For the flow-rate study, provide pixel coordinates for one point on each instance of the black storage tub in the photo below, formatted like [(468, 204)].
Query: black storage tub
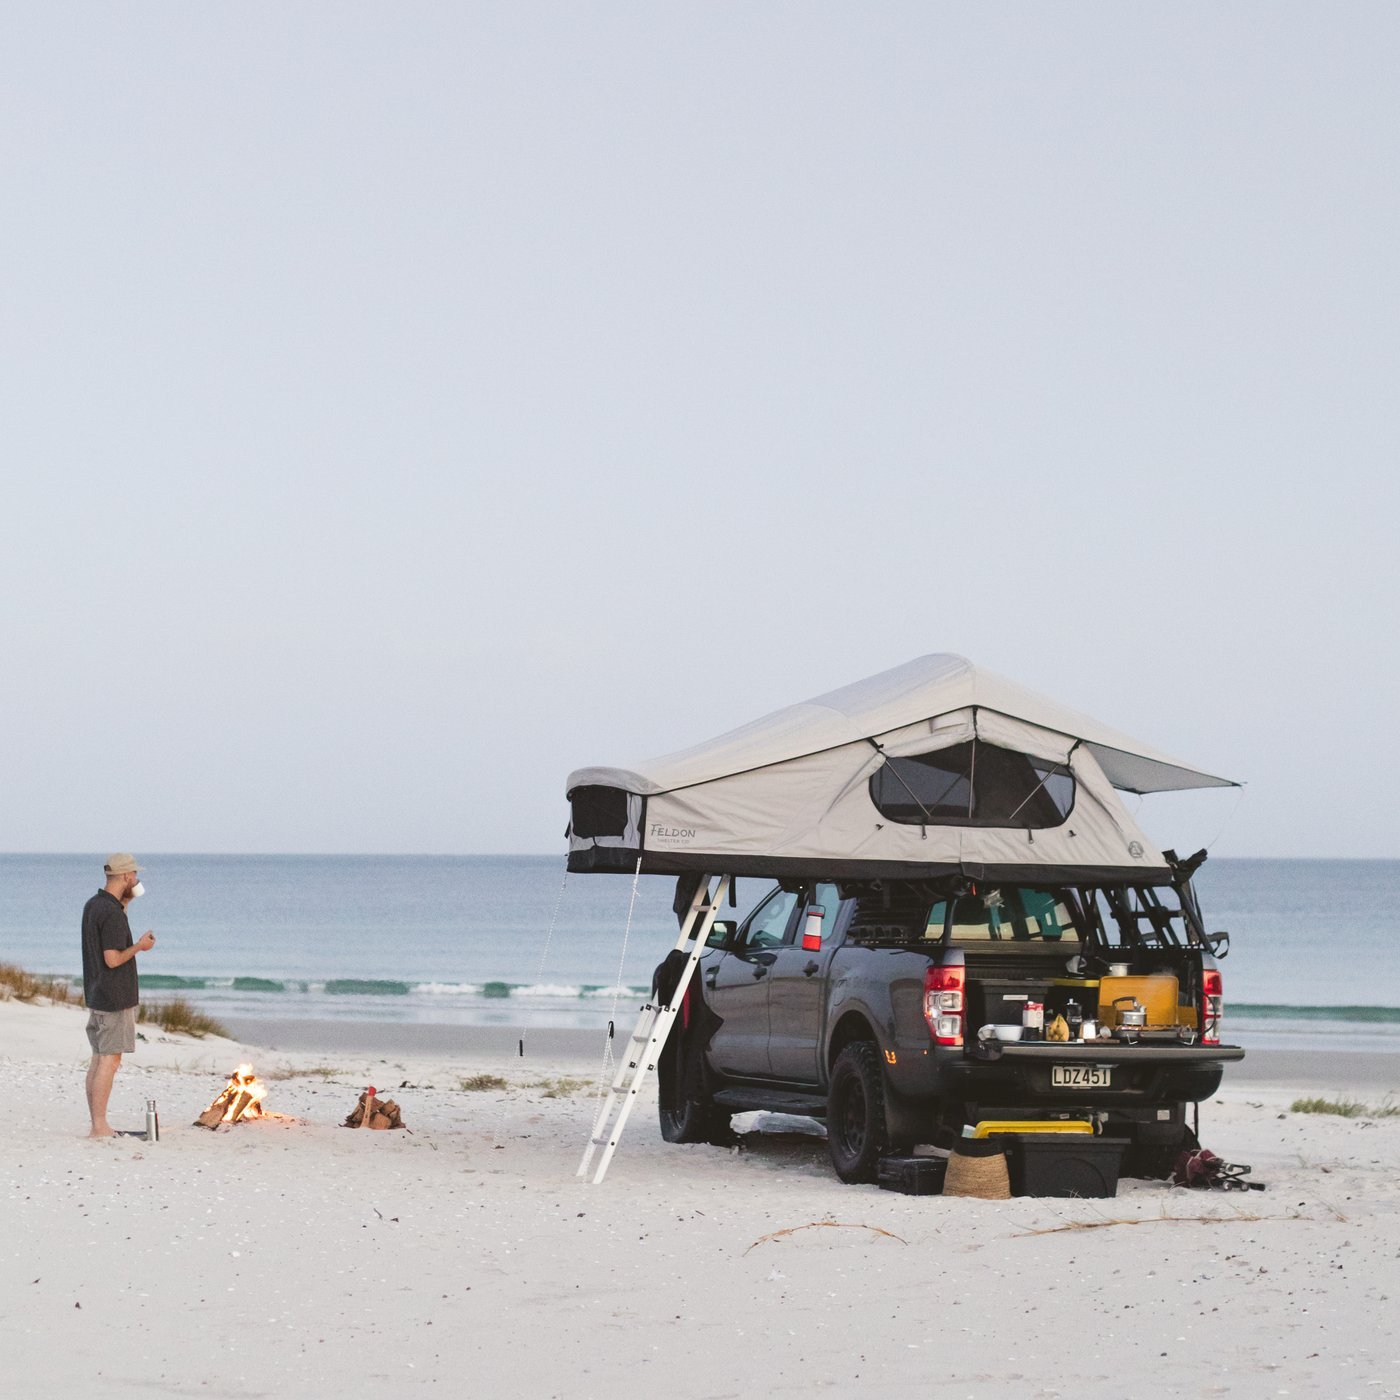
[(1063, 1164)]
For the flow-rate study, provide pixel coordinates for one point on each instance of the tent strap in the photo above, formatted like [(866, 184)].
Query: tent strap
[(548, 939), (606, 1072)]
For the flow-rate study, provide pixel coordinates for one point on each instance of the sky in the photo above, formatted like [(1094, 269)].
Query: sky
[(402, 406)]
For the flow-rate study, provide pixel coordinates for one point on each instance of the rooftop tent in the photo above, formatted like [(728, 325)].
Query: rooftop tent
[(936, 767)]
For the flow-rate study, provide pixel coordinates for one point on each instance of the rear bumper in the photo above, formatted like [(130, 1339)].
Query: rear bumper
[(1012, 1073)]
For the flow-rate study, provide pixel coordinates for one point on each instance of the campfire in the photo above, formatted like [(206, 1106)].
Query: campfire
[(240, 1098)]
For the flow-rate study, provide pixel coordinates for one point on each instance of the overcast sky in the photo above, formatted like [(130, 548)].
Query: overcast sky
[(405, 405)]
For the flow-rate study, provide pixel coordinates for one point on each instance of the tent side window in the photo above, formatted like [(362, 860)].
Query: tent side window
[(973, 784), (598, 811)]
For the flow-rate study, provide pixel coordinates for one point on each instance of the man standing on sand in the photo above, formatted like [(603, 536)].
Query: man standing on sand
[(109, 981)]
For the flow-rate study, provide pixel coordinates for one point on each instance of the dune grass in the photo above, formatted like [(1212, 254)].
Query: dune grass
[(560, 1088), (19, 985), (481, 1083), (179, 1016), (176, 1014), (1346, 1108)]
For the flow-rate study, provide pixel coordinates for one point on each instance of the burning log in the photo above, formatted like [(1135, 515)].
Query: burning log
[(240, 1098)]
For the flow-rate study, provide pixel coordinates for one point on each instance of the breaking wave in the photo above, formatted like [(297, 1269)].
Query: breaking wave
[(385, 987), (1278, 1011)]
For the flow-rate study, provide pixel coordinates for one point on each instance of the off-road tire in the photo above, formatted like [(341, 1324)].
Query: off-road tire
[(856, 1134), (697, 1120), (685, 1111), (1154, 1161)]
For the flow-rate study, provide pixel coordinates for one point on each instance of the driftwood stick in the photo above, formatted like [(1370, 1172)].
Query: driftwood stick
[(826, 1225)]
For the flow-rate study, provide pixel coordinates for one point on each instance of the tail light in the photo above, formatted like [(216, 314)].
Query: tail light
[(1212, 1003), (943, 1004)]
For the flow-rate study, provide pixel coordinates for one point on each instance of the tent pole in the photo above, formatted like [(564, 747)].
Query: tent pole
[(652, 1031)]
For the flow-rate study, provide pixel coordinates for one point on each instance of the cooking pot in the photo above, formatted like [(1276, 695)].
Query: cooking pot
[(1131, 1017)]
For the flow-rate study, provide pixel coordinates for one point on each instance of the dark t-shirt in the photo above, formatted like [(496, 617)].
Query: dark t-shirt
[(105, 926)]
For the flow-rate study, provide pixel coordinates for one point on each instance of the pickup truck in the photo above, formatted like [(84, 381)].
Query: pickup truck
[(882, 1022)]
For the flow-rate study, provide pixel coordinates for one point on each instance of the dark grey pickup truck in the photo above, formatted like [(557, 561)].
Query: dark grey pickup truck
[(895, 1022)]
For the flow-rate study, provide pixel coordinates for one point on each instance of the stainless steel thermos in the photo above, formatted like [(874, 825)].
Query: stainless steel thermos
[(152, 1122)]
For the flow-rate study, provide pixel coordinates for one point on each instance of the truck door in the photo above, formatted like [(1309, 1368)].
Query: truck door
[(736, 987), (797, 995)]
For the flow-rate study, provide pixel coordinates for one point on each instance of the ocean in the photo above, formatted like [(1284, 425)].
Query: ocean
[(507, 940)]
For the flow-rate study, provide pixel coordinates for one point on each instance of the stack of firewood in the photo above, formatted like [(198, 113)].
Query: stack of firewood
[(382, 1113)]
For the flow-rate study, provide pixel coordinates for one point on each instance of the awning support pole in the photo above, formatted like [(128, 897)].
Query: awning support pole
[(652, 1030)]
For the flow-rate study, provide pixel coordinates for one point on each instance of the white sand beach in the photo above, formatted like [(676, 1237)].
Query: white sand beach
[(292, 1257)]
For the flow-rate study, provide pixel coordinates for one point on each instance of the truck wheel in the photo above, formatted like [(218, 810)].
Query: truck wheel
[(1153, 1161), (696, 1120), (856, 1136), (686, 1112)]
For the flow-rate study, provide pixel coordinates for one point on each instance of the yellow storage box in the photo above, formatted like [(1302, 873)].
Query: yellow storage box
[(988, 1126), (1158, 992)]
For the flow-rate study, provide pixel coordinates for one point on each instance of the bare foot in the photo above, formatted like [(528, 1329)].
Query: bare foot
[(103, 1131)]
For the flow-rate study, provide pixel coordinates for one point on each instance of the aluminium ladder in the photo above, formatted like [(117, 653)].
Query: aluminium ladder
[(653, 1027)]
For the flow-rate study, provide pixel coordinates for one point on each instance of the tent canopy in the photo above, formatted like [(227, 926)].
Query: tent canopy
[(802, 790)]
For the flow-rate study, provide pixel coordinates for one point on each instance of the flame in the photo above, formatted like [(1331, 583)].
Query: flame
[(242, 1095)]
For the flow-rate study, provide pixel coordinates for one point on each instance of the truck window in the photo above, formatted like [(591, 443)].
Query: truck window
[(769, 922), (1009, 914), (828, 899)]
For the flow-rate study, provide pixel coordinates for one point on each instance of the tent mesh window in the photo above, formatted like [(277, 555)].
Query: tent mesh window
[(598, 811), (973, 784)]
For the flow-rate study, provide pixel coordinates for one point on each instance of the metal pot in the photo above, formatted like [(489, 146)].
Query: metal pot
[(1133, 1016)]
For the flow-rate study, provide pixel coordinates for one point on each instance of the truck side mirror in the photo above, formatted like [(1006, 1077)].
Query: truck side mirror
[(721, 933), (1218, 943)]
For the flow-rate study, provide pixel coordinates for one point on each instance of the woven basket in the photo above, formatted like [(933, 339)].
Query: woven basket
[(978, 1169)]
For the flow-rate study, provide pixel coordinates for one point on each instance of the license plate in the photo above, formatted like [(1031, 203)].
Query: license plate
[(1080, 1076)]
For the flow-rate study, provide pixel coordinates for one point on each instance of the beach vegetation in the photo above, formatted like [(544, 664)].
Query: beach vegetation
[(562, 1088), (482, 1083), (1346, 1108), (179, 1016), (18, 985), (313, 1072)]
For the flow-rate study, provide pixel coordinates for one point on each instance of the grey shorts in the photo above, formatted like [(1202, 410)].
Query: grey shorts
[(112, 1032)]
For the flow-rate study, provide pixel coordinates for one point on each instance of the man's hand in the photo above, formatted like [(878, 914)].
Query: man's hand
[(146, 942)]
